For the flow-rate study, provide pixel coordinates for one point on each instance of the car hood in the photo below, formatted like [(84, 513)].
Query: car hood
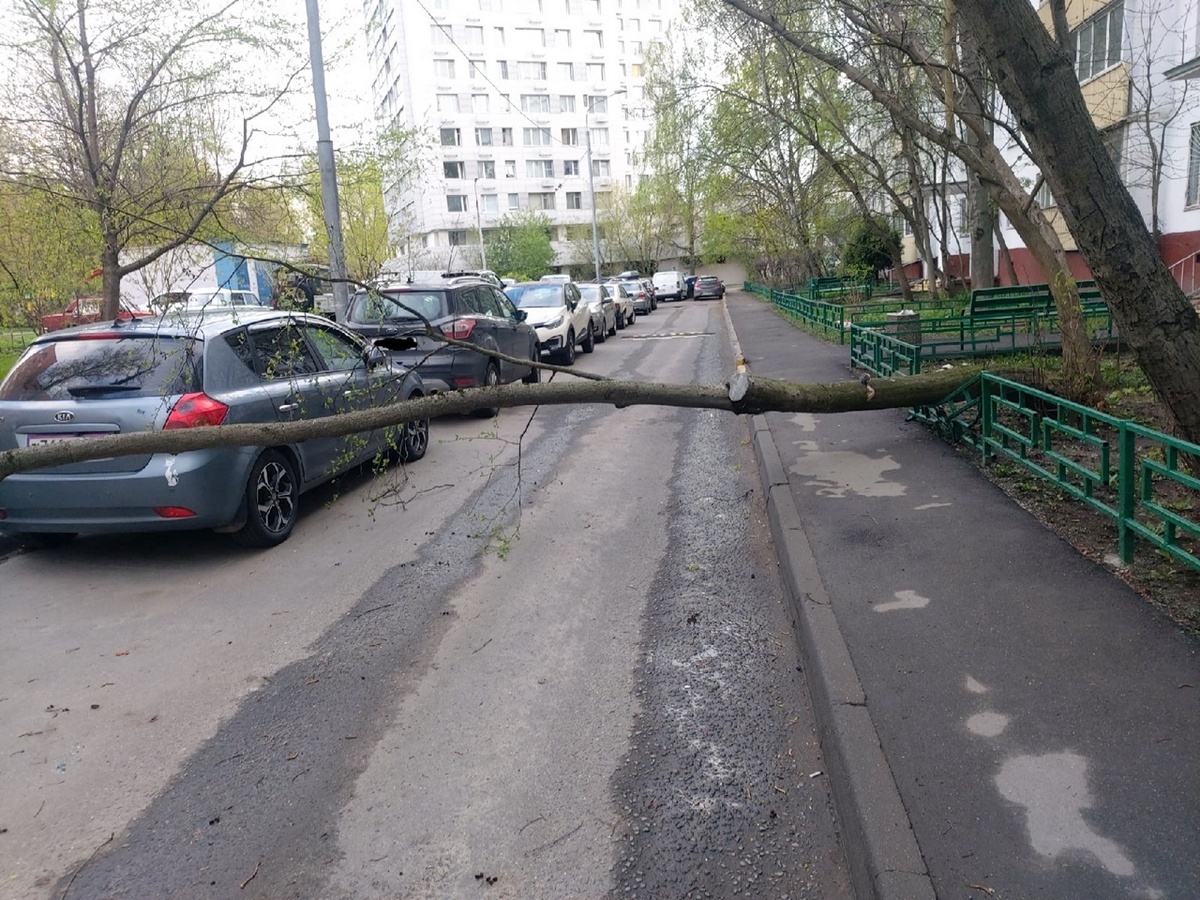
[(540, 315)]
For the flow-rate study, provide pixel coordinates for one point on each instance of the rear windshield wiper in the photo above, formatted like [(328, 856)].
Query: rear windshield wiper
[(85, 389)]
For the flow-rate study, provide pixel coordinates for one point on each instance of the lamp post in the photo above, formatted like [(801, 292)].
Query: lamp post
[(587, 128), (479, 226)]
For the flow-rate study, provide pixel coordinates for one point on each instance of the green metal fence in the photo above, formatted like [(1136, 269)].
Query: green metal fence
[(1133, 475)]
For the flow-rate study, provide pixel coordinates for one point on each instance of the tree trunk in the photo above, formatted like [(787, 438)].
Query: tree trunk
[(743, 395), (1038, 82)]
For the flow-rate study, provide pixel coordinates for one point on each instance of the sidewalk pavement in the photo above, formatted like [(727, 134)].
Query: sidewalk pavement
[(1001, 717)]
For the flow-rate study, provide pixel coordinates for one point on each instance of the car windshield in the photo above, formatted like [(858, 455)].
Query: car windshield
[(131, 365), (406, 306), (591, 292), (540, 295)]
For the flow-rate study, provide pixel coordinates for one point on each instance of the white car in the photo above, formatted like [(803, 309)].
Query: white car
[(669, 285), (559, 315)]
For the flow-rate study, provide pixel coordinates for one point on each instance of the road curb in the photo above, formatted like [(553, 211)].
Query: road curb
[(877, 836)]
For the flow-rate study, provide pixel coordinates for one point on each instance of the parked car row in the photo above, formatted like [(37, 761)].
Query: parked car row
[(223, 357)]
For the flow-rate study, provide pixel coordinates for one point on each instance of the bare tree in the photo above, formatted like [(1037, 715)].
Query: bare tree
[(126, 111)]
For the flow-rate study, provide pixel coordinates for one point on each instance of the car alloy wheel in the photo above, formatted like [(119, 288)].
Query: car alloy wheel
[(415, 441), (271, 495), (491, 378)]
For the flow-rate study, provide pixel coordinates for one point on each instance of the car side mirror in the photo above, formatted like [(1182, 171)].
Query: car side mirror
[(520, 314), (375, 357)]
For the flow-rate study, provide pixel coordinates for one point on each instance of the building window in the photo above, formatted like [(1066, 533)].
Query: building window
[(570, 167), (443, 68), (591, 7), (599, 137), (593, 40), (1193, 182), (456, 202), (506, 137), (1043, 198), (601, 168), (536, 137), (451, 137), (596, 104), (1098, 41), (566, 103), (514, 201), (487, 168), (498, 36), (457, 238), (474, 36), (491, 203), (478, 69), (566, 71), (574, 200), (637, 70), (503, 69), (570, 137), (1114, 143), (447, 103), (539, 168), (562, 37), (441, 36), (531, 71), (510, 168), (595, 71), (535, 103), (454, 170), (541, 201), (531, 37), (483, 137)]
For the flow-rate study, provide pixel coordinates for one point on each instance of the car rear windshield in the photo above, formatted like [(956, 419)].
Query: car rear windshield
[(541, 295), (371, 309), (105, 366), (591, 292)]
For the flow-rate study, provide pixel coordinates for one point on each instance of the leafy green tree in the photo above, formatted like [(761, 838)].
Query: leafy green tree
[(47, 253), (870, 247), (519, 247)]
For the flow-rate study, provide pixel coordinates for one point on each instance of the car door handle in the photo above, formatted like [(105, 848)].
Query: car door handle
[(288, 407)]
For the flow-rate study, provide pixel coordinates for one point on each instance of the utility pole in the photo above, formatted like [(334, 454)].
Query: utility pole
[(325, 164), (587, 130)]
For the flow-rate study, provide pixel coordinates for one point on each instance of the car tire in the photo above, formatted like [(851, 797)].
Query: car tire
[(414, 440), (535, 374), (632, 317), (491, 378), (46, 540), (589, 340), (566, 356), (272, 495), (601, 335), (620, 320), (612, 331)]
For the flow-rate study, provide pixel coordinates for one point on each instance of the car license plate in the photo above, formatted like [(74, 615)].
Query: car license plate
[(36, 440)]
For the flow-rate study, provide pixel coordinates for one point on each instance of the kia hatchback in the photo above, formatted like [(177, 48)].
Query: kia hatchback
[(252, 366)]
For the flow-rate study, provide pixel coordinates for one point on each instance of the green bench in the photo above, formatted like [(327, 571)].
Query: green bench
[(837, 286), (1020, 301)]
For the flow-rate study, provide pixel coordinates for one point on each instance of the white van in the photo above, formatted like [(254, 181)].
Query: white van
[(668, 285)]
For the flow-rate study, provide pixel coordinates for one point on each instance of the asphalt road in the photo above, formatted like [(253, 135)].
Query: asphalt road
[(550, 660)]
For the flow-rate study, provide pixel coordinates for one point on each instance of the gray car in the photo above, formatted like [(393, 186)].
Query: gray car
[(228, 367)]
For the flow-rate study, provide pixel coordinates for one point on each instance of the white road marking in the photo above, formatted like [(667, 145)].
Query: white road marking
[(904, 600)]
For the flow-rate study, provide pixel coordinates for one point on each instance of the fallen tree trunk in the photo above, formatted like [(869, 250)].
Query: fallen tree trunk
[(743, 395)]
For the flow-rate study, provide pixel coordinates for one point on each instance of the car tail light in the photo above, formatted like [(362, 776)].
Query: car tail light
[(459, 329), (195, 410), (173, 512)]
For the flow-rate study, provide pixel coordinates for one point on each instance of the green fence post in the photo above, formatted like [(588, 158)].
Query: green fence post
[(985, 414), (1126, 491)]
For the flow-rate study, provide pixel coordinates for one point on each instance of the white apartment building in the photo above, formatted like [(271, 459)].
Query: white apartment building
[(1138, 63), (511, 91)]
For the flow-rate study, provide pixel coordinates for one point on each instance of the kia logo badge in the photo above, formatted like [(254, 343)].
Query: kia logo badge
[(64, 416)]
